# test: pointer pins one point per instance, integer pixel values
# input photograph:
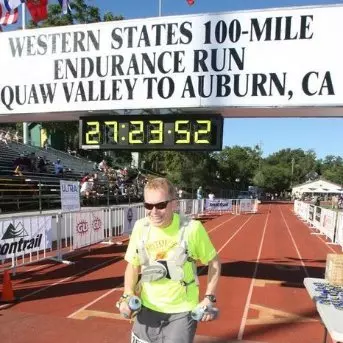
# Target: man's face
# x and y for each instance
(159, 217)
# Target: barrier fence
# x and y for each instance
(322, 220)
(31, 238)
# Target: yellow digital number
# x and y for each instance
(136, 132)
(93, 135)
(112, 134)
(158, 132)
(205, 131)
(183, 131)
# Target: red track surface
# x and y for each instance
(265, 257)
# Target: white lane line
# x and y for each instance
(239, 229)
(221, 224)
(318, 236)
(201, 269)
(68, 278)
(94, 301)
(247, 304)
(295, 245)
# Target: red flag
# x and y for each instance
(38, 9)
(190, 2)
(8, 17)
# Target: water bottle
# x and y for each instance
(135, 303)
(199, 312)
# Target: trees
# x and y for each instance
(80, 13)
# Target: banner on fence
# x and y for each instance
(130, 217)
(218, 205)
(247, 205)
(70, 195)
(24, 235)
(88, 228)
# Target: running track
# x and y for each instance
(265, 257)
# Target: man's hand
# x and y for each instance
(208, 316)
(125, 310)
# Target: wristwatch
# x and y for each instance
(212, 298)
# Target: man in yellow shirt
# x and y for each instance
(170, 292)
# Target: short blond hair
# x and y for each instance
(161, 183)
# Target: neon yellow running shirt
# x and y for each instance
(166, 295)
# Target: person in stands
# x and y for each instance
(165, 247)
(200, 193)
(211, 196)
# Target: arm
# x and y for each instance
(130, 281)
(214, 268)
(213, 275)
(130, 278)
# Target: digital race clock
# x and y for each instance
(152, 132)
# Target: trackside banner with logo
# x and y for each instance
(268, 58)
(20, 236)
(218, 205)
(130, 217)
(70, 195)
(88, 228)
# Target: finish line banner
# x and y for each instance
(24, 235)
(280, 57)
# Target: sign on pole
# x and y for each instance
(70, 195)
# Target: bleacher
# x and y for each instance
(38, 191)
(34, 190)
(76, 166)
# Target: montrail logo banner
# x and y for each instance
(218, 205)
(23, 235)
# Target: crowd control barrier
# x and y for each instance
(234, 206)
(26, 239)
(323, 221)
(30, 238)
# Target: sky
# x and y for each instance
(322, 135)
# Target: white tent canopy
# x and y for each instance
(317, 187)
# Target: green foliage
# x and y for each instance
(238, 163)
(81, 13)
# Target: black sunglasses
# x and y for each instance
(160, 205)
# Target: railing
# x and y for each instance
(322, 220)
(25, 239)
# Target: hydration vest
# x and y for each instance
(172, 267)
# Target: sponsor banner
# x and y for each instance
(311, 213)
(24, 235)
(328, 222)
(130, 217)
(339, 230)
(317, 216)
(88, 228)
(218, 205)
(187, 61)
(70, 195)
(247, 205)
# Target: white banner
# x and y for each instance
(130, 217)
(70, 195)
(246, 205)
(277, 57)
(339, 230)
(218, 205)
(88, 228)
(328, 223)
(20, 236)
